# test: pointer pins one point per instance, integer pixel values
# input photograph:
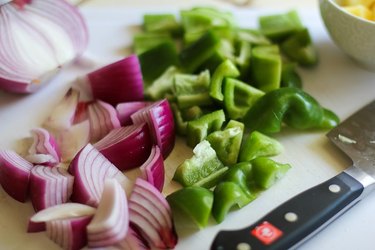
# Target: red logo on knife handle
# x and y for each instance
(266, 232)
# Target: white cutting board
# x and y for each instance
(337, 83)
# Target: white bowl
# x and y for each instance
(353, 35)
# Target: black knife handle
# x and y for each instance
(296, 219)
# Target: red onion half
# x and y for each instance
(38, 37)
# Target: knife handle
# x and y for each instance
(296, 219)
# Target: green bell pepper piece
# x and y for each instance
(252, 36)
(243, 58)
(280, 26)
(266, 171)
(227, 195)
(239, 97)
(266, 67)
(213, 179)
(225, 69)
(179, 121)
(194, 203)
(192, 113)
(290, 105)
(203, 163)
(145, 41)
(198, 129)
(227, 143)
(155, 61)
(257, 144)
(299, 48)
(159, 23)
(198, 52)
(241, 174)
(289, 76)
(162, 85)
(191, 90)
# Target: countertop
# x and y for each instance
(337, 83)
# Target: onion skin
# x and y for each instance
(15, 175)
(129, 152)
(18, 73)
(90, 170)
(118, 82)
(111, 221)
(49, 186)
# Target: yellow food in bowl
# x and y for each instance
(361, 8)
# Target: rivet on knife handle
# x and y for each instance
(296, 219)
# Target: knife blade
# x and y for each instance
(304, 215)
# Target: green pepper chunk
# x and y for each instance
(266, 67)
(162, 85)
(160, 23)
(227, 195)
(179, 121)
(155, 61)
(225, 69)
(299, 48)
(198, 129)
(289, 76)
(198, 52)
(239, 97)
(145, 41)
(203, 163)
(213, 179)
(279, 26)
(194, 203)
(257, 144)
(241, 174)
(227, 143)
(252, 36)
(266, 171)
(191, 90)
(243, 58)
(290, 105)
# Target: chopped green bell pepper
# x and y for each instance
(161, 23)
(290, 105)
(289, 76)
(162, 85)
(192, 202)
(179, 121)
(257, 144)
(299, 48)
(197, 130)
(227, 142)
(225, 69)
(155, 61)
(242, 58)
(241, 174)
(266, 67)
(203, 163)
(252, 36)
(226, 195)
(280, 26)
(213, 179)
(239, 97)
(145, 41)
(266, 171)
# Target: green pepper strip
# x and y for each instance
(300, 49)
(162, 85)
(227, 143)
(258, 144)
(239, 97)
(198, 129)
(203, 163)
(290, 105)
(289, 76)
(202, 199)
(225, 69)
(266, 171)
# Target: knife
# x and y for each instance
(299, 218)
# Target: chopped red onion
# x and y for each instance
(153, 169)
(126, 109)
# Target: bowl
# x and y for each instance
(353, 35)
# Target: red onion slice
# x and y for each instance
(49, 186)
(118, 82)
(14, 174)
(152, 215)
(126, 109)
(126, 147)
(103, 118)
(159, 118)
(90, 170)
(38, 37)
(58, 212)
(153, 169)
(111, 220)
(45, 144)
(70, 234)
(132, 241)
